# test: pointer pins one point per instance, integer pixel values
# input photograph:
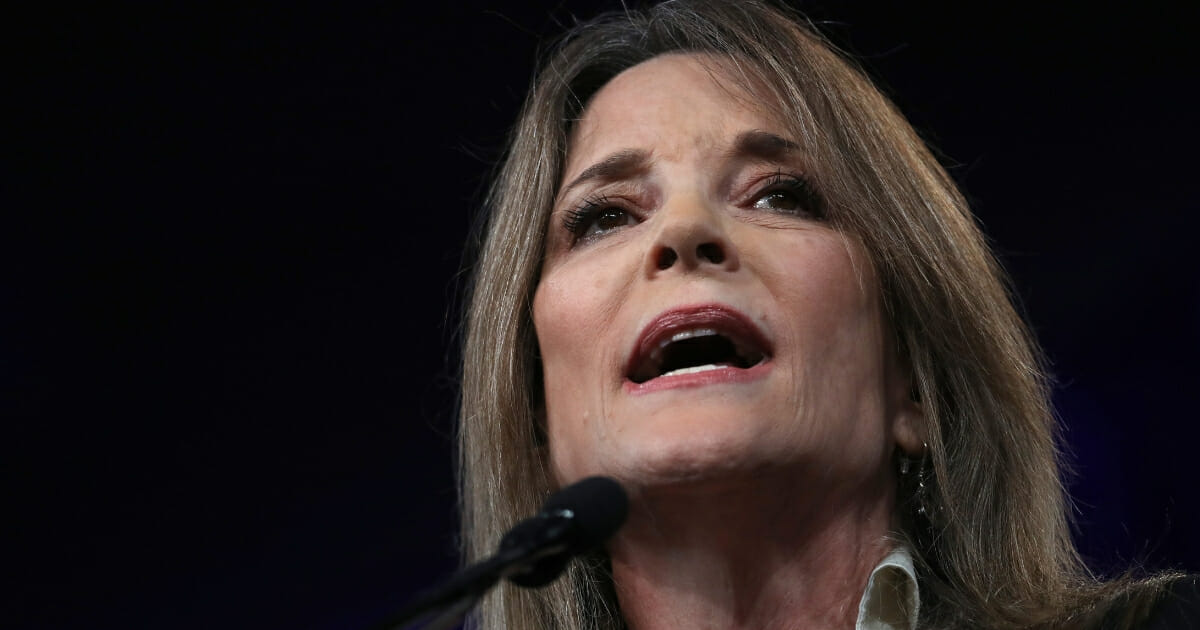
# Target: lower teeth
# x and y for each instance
(696, 369)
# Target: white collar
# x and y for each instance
(891, 600)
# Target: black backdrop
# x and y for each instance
(232, 241)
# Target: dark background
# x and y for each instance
(232, 241)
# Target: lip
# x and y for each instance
(719, 317)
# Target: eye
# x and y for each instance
(789, 194)
(779, 200)
(596, 217)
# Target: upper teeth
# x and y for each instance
(656, 354)
(688, 334)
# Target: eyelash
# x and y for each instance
(579, 219)
(810, 199)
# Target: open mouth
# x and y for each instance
(697, 340)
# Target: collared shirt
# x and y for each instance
(891, 600)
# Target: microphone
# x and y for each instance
(574, 520)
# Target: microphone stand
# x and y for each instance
(533, 553)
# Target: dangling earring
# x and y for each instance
(920, 494)
(922, 491)
(906, 461)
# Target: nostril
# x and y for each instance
(711, 252)
(666, 258)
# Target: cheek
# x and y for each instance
(565, 314)
(826, 289)
(575, 308)
(828, 293)
(554, 316)
(573, 315)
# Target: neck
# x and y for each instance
(749, 555)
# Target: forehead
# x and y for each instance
(669, 104)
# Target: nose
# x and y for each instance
(691, 236)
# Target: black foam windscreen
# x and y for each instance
(599, 506)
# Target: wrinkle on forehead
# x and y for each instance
(730, 76)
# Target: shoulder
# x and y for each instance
(1178, 608)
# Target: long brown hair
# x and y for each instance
(996, 550)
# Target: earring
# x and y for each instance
(920, 494)
(906, 461)
(922, 491)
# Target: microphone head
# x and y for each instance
(579, 517)
(599, 506)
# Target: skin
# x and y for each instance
(759, 503)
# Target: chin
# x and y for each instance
(681, 459)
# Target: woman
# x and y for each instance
(721, 268)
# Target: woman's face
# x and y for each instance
(697, 317)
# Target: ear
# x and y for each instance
(907, 413)
(908, 426)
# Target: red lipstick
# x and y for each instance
(697, 345)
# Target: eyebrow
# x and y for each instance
(763, 145)
(619, 165)
(626, 163)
